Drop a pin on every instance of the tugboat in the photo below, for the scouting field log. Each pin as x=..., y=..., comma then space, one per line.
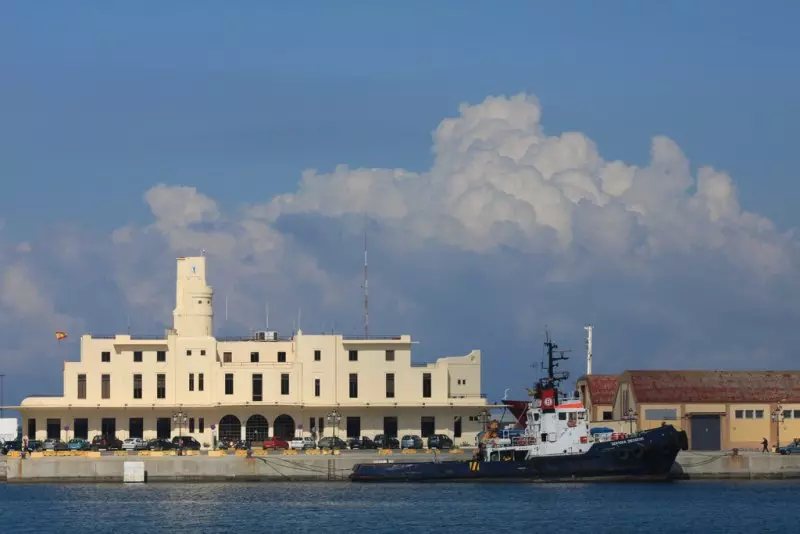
x=556, y=445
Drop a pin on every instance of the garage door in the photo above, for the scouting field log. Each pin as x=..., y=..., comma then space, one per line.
x=706, y=435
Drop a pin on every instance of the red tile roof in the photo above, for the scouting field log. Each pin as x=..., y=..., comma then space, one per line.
x=602, y=388
x=714, y=386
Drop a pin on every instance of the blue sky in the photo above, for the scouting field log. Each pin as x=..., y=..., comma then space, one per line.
x=102, y=101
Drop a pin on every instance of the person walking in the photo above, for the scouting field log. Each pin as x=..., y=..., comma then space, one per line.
x=764, y=445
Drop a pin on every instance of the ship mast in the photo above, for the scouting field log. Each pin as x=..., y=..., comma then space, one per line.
x=554, y=355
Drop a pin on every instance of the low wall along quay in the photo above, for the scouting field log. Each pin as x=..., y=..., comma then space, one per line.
x=314, y=465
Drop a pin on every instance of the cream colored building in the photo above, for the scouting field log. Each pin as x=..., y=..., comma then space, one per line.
x=254, y=387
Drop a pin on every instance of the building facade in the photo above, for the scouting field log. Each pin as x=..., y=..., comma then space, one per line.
x=188, y=382
x=719, y=410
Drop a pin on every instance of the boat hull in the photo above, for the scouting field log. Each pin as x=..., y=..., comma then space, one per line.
x=649, y=456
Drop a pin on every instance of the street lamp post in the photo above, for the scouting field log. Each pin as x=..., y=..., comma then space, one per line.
x=630, y=416
x=334, y=418
x=484, y=418
x=777, y=416
x=180, y=418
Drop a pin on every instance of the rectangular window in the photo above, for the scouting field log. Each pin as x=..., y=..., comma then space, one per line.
x=161, y=356
x=796, y=414
x=191, y=381
x=608, y=416
x=161, y=386
x=136, y=427
x=389, y=385
x=105, y=356
x=457, y=426
x=759, y=414
x=201, y=425
x=108, y=427
x=31, y=428
x=316, y=387
x=53, y=429
x=661, y=414
x=426, y=385
x=427, y=426
x=203, y=352
x=105, y=389
x=284, y=384
x=258, y=389
x=317, y=355
x=81, y=386
x=191, y=425
x=748, y=414
x=787, y=414
x=137, y=386
x=229, y=384
x=189, y=352
x=353, y=385
x=739, y=414
x=137, y=356
x=321, y=426
x=80, y=428
x=253, y=357
x=390, y=355
x=281, y=357
x=227, y=357
x=200, y=382
x=352, y=355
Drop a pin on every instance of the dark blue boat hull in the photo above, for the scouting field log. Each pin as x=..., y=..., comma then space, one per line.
x=648, y=456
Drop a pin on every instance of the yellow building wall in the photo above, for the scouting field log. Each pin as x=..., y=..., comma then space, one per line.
x=748, y=433
x=647, y=424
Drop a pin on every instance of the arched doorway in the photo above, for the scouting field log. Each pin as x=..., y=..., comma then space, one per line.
x=284, y=427
x=257, y=428
x=230, y=428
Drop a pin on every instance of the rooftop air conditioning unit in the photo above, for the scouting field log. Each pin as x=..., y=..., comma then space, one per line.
x=266, y=335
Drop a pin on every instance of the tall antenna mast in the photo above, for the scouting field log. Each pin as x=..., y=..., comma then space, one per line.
x=588, y=329
x=366, y=285
x=266, y=315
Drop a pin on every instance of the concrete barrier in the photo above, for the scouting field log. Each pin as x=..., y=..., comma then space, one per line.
x=289, y=452
x=384, y=451
x=409, y=451
x=218, y=466
x=312, y=452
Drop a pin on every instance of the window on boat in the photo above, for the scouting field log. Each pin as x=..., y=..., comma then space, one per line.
x=562, y=416
x=536, y=417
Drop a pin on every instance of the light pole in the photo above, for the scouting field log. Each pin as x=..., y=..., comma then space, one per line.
x=630, y=416
x=484, y=418
x=777, y=416
x=334, y=418
x=180, y=418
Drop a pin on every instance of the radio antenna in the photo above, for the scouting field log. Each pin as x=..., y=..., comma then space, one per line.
x=366, y=284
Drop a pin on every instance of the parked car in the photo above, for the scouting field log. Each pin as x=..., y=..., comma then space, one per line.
x=361, y=443
x=791, y=448
x=187, y=442
x=54, y=445
x=439, y=441
x=383, y=441
x=160, y=444
x=109, y=443
x=275, y=443
x=134, y=444
x=332, y=443
x=411, y=441
x=303, y=443
x=78, y=444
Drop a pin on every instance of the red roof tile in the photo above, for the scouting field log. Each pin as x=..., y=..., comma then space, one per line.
x=602, y=388
x=715, y=386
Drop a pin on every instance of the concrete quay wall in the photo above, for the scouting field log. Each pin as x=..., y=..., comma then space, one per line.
x=276, y=467
x=724, y=465
x=201, y=468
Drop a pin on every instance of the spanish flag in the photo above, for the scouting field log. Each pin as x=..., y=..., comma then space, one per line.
x=61, y=335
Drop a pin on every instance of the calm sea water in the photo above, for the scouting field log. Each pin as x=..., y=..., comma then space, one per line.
x=402, y=508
